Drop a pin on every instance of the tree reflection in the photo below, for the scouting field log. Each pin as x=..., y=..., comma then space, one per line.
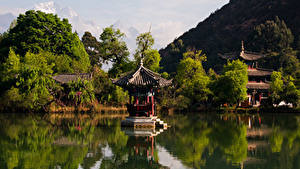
x=202, y=141
x=195, y=140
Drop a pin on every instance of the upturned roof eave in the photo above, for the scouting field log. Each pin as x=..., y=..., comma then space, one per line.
x=130, y=80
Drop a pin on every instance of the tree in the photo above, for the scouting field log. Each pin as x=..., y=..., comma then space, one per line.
x=145, y=51
x=230, y=87
x=81, y=92
x=102, y=85
x=276, y=87
x=272, y=36
x=290, y=93
x=113, y=46
x=28, y=84
x=191, y=77
x=283, y=89
x=289, y=63
x=114, y=49
x=37, y=31
x=92, y=47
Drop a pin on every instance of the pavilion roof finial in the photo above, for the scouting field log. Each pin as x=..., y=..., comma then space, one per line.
x=243, y=47
x=141, y=63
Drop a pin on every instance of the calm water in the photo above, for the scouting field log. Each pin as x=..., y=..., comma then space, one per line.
x=202, y=141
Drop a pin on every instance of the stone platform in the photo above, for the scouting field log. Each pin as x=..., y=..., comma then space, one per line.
x=143, y=122
x=142, y=132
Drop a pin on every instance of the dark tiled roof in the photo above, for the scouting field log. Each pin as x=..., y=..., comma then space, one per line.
x=259, y=72
x=251, y=55
x=142, y=77
x=66, y=78
x=230, y=56
x=258, y=85
x=245, y=55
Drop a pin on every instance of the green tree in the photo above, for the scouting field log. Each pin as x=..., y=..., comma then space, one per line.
x=81, y=92
x=37, y=31
x=191, y=77
x=271, y=36
x=92, y=47
x=230, y=87
x=29, y=84
x=114, y=49
x=102, y=84
x=113, y=46
x=290, y=93
x=145, y=51
x=276, y=87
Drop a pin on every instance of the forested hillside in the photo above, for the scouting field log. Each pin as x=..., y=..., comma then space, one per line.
x=224, y=30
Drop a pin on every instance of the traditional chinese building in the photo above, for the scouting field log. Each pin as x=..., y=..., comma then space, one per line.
x=67, y=78
x=142, y=86
x=258, y=78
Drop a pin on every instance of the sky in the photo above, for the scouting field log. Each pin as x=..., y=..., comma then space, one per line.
x=168, y=19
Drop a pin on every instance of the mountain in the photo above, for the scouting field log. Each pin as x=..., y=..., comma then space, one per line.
x=224, y=30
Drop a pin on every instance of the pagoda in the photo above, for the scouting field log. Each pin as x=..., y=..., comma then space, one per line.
x=142, y=85
x=258, y=78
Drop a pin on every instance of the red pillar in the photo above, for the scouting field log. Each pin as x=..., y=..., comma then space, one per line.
x=152, y=102
x=260, y=95
x=152, y=146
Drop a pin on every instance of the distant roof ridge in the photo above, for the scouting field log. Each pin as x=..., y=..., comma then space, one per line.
x=68, y=77
x=74, y=74
x=264, y=69
x=254, y=53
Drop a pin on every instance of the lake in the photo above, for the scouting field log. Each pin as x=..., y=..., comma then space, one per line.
x=207, y=141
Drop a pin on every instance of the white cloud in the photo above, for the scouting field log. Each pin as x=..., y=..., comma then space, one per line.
x=80, y=25
x=13, y=11
x=169, y=18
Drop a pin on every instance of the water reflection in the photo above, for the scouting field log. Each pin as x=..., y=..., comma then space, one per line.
x=198, y=141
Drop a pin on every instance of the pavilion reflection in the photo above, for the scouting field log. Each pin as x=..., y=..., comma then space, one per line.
x=142, y=147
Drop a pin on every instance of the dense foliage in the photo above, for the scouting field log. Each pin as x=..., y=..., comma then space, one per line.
x=26, y=84
x=284, y=89
x=230, y=86
x=80, y=91
x=92, y=46
x=192, y=79
x=145, y=52
x=271, y=36
x=36, y=31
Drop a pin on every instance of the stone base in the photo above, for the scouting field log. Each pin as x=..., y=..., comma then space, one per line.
x=141, y=132
x=138, y=122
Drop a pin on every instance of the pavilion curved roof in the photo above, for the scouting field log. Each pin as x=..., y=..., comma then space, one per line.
x=260, y=72
x=246, y=55
x=258, y=85
x=141, y=78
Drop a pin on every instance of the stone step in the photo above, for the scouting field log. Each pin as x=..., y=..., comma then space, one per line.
x=157, y=119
